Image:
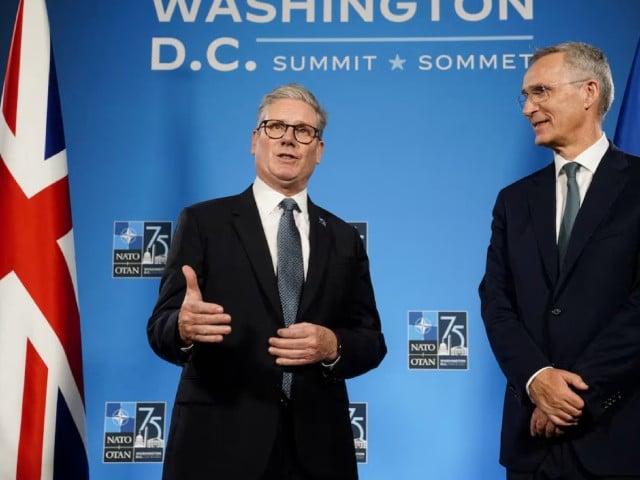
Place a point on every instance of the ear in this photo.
(591, 88)
(319, 150)
(254, 140)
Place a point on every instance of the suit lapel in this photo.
(247, 222)
(542, 194)
(607, 183)
(319, 244)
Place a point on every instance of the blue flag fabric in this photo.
(628, 130)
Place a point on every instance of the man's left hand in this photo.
(303, 344)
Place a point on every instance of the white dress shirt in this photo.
(589, 161)
(268, 200)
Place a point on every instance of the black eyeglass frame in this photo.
(316, 132)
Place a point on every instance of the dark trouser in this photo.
(560, 464)
(283, 462)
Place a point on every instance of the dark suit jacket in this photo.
(585, 318)
(228, 400)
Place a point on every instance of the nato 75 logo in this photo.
(140, 248)
(358, 415)
(149, 443)
(453, 353)
(134, 432)
(437, 340)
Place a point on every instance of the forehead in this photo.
(291, 111)
(547, 70)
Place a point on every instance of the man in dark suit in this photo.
(561, 303)
(258, 400)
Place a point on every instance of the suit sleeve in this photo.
(162, 326)
(518, 355)
(611, 363)
(359, 330)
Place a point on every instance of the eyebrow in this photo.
(534, 86)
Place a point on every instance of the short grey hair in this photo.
(296, 92)
(586, 60)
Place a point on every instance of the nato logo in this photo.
(437, 340)
(134, 432)
(140, 249)
(358, 416)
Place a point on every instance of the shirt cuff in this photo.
(332, 364)
(532, 378)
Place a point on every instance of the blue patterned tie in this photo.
(572, 205)
(290, 271)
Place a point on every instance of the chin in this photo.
(541, 141)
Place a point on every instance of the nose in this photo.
(529, 107)
(289, 135)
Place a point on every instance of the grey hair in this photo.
(295, 92)
(586, 60)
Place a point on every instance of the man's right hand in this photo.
(541, 426)
(200, 321)
(552, 390)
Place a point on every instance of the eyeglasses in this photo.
(540, 93)
(276, 129)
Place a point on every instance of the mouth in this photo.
(538, 123)
(287, 157)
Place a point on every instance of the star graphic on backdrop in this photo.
(128, 235)
(397, 62)
(422, 326)
(120, 417)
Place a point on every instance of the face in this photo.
(286, 164)
(564, 121)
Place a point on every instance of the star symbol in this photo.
(422, 326)
(397, 62)
(128, 235)
(120, 417)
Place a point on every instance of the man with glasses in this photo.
(267, 303)
(561, 292)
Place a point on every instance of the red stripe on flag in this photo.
(10, 90)
(31, 229)
(32, 421)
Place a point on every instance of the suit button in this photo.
(556, 311)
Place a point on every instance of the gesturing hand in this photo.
(200, 321)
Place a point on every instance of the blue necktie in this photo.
(290, 271)
(572, 205)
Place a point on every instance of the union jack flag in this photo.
(42, 414)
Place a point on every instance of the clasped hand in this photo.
(302, 344)
(558, 406)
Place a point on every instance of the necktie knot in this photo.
(289, 204)
(570, 169)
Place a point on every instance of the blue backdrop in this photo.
(159, 100)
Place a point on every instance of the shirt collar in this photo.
(268, 199)
(589, 159)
